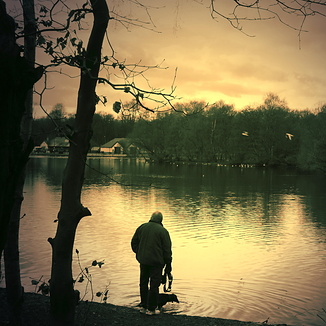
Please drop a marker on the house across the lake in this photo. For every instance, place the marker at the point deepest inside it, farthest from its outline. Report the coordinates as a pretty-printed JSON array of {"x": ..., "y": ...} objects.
[
  {"x": 43, "y": 148},
  {"x": 118, "y": 146},
  {"x": 58, "y": 145}
]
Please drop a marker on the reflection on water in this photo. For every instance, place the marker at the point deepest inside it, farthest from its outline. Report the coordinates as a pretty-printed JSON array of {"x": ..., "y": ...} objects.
[{"x": 248, "y": 244}]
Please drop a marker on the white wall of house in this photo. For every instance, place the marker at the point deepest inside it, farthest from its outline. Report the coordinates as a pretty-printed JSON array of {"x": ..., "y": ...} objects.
[{"x": 112, "y": 150}]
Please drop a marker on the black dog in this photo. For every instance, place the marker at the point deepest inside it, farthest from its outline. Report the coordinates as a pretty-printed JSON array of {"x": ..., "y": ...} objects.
[{"x": 164, "y": 298}]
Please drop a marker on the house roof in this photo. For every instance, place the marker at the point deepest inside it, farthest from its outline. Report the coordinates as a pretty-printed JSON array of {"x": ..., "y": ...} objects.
[
  {"x": 124, "y": 142},
  {"x": 59, "y": 141}
]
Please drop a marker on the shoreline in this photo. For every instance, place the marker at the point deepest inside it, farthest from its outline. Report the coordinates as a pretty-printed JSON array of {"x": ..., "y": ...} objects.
[{"x": 36, "y": 313}]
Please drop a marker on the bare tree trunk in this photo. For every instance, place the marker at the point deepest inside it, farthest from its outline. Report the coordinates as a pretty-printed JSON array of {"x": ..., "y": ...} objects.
[
  {"x": 62, "y": 295},
  {"x": 14, "y": 288},
  {"x": 16, "y": 79},
  {"x": 8, "y": 56}
]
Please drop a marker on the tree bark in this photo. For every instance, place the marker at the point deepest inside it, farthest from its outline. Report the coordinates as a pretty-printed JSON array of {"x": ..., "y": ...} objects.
[
  {"x": 16, "y": 79},
  {"x": 14, "y": 287},
  {"x": 62, "y": 295}
]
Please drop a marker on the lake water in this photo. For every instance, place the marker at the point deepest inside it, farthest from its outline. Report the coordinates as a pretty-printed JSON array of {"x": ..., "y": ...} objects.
[{"x": 248, "y": 243}]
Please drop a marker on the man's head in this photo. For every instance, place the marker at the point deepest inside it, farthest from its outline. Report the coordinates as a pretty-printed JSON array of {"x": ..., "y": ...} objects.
[{"x": 157, "y": 217}]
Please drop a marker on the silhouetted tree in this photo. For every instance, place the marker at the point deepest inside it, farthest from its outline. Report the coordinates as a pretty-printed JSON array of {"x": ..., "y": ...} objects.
[
  {"x": 62, "y": 294},
  {"x": 312, "y": 155},
  {"x": 17, "y": 78},
  {"x": 17, "y": 75},
  {"x": 220, "y": 116}
]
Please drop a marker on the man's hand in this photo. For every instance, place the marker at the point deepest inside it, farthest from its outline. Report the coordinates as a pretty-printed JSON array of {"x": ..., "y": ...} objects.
[{"x": 168, "y": 268}]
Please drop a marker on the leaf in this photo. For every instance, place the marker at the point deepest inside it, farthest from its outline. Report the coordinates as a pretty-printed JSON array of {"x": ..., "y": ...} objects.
[
  {"x": 73, "y": 41},
  {"x": 100, "y": 263},
  {"x": 43, "y": 9},
  {"x": 81, "y": 279},
  {"x": 80, "y": 47},
  {"x": 59, "y": 40},
  {"x": 41, "y": 40},
  {"x": 46, "y": 23},
  {"x": 98, "y": 294},
  {"x": 94, "y": 263},
  {"x": 34, "y": 282},
  {"x": 116, "y": 107},
  {"x": 49, "y": 44},
  {"x": 63, "y": 44},
  {"x": 77, "y": 251}
]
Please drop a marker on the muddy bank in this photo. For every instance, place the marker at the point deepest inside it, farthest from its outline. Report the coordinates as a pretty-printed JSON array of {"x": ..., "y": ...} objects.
[{"x": 36, "y": 313}]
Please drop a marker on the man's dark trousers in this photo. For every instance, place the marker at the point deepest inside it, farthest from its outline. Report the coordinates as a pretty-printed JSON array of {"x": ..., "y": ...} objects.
[{"x": 153, "y": 276}]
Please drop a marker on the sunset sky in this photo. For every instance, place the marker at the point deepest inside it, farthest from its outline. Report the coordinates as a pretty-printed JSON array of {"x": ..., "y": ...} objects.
[{"x": 214, "y": 61}]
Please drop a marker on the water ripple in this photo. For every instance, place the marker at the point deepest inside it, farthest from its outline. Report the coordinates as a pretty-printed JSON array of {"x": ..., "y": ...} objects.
[{"x": 247, "y": 245}]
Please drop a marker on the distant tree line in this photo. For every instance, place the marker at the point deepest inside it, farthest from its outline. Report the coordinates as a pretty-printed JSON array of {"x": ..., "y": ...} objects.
[
  {"x": 268, "y": 134},
  {"x": 59, "y": 124}
]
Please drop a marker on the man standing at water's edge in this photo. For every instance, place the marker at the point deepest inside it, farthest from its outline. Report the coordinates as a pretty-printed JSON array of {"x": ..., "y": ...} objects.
[{"x": 152, "y": 245}]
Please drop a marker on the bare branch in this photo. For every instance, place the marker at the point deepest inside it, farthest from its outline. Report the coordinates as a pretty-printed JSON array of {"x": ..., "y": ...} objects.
[
  {"x": 73, "y": 15},
  {"x": 284, "y": 11}
]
